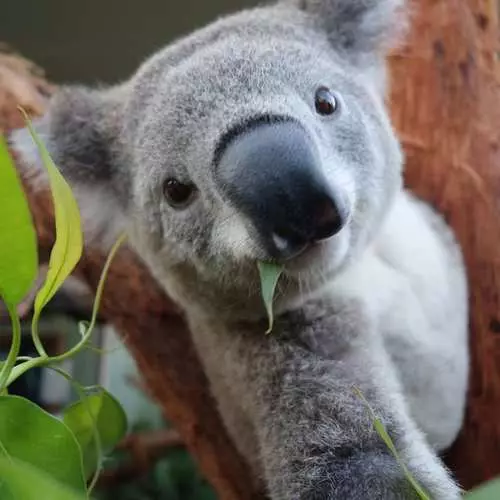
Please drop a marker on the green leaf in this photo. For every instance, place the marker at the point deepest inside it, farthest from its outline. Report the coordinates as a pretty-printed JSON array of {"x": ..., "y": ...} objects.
[
  {"x": 15, "y": 346},
  {"x": 20, "y": 480},
  {"x": 269, "y": 276},
  {"x": 18, "y": 246},
  {"x": 487, "y": 491},
  {"x": 30, "y": 434},
  {"x": 382, "y": 432},
  {"x": 67, "y": 249},
  {"x": 97, "y": 413}
]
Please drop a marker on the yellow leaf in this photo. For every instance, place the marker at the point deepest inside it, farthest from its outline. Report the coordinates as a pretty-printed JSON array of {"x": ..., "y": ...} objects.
[{"x": 67, "y": 250}]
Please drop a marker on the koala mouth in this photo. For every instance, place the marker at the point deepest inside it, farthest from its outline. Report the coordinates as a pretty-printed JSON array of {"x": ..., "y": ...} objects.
[
  {"x": 320, "y": 258},
  {"x": 311, "y": 257},
  {"x": 288, "y": 251}
]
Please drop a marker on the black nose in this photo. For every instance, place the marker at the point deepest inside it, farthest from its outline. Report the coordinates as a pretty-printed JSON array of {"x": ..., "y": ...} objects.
[{"x": 271, "y": 173}]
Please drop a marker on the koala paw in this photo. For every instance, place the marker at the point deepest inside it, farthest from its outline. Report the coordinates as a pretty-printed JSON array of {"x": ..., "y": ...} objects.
[
  {"x": 370, "y": 475},
  {"x": 377, "y": 475}
]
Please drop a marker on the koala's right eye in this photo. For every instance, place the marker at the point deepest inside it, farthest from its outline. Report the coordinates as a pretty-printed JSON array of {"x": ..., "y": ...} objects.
[
  {"x": 178, "y": 194},
  {"x": 325, "y": 101}
]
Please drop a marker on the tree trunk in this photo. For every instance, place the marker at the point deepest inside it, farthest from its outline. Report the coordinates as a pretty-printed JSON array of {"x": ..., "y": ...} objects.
[
  {"x": 446, "y": 106},
  {"x": 445, "y": 102}
]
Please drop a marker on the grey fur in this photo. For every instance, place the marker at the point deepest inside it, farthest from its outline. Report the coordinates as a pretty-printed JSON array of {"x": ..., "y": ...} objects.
[{"x": 381, "y": 306}]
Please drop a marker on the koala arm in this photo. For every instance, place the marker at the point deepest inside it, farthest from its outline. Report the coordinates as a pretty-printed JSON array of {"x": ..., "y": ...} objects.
[{"x": 315, "y": 435}]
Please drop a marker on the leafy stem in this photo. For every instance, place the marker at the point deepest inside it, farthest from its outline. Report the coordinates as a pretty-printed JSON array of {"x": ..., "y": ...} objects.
[
  {"x": 15, "y": 346},
  {"x": 35, "y": 335},
  {"x": 43, "y": 360}
]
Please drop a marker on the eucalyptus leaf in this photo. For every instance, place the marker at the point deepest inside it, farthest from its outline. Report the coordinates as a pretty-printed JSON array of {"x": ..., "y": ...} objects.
[
  {"x": 487, "y": 491},
  {"x": 68, "y": 246},
  {"x": 269, "y": 276},
  {"x": 30, "y": 434},
  {"x": 18, "y": 246},
  {"x": 22, "y": 481},
  {"x": 97, "y": 413},
  {"x": 382, "y": 432}
]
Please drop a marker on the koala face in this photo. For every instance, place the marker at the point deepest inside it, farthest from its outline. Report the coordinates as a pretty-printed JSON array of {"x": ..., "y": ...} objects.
[{"x": 261, "y": 137}]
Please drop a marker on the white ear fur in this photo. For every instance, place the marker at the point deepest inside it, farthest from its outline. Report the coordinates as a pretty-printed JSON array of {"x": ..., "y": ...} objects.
[
  {"x": 30, "y": 160},
  {"x": 102, "y": 220}
]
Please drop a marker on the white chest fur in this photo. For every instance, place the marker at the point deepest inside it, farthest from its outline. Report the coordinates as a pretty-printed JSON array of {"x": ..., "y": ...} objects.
[{"x": 413, "y": 284}]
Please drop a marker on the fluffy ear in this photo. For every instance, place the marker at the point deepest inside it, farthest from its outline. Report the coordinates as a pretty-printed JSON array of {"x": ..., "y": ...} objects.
[
  {"x": 359, "y": 27},
  {"x": 81, "y": 130}
]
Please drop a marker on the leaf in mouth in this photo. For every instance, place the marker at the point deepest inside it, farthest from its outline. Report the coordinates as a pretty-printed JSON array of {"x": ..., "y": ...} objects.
[{"x": 269, "y": 276}]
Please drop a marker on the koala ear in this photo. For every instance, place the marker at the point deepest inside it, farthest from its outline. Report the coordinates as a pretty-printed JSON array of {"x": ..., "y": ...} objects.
[
  {"x": 359, "y": 28},
  {"x": 82, "y": 131}
]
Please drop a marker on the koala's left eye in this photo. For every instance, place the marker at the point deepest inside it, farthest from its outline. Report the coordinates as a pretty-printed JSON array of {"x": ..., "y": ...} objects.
[
  {"x": 177, "y": 194},
  {"x": 326, "y": 103}
]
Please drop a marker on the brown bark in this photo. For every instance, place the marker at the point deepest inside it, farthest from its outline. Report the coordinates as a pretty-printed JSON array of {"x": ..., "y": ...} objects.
[{"x": 445, "y": 102}]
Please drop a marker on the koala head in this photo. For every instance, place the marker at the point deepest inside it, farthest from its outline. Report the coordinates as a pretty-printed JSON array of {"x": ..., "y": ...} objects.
[{"x": 263, "y": 136}]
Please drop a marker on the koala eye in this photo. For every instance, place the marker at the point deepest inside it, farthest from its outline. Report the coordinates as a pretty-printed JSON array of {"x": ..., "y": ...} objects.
[
  {"x": 177, "y": 194},
  {"x": 326, "y": 103}
]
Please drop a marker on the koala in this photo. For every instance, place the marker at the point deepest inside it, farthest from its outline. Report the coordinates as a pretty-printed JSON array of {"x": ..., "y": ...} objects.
[{"x": 265, "y": 137}]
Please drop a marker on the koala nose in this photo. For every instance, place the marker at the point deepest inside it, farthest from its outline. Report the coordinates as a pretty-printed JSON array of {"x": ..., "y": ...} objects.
[{"x": 271, "y": 173}]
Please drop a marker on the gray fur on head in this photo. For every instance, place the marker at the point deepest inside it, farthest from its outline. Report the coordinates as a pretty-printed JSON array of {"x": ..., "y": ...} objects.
[
  {"x": 265, "y": 136},
  {"x": 169, "y": 118}
]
